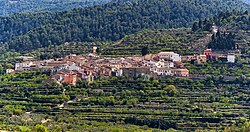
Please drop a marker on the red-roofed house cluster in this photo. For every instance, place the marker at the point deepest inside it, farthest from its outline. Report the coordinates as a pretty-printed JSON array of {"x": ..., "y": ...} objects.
[{"x": 87, "y": 67}]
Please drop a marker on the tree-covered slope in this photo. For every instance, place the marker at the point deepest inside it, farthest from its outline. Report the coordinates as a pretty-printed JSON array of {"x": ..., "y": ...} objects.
[
  {"x": 9, "y": 7},
  {"x": 233, "y": 31},
  {"x": 111, "y": 21}
]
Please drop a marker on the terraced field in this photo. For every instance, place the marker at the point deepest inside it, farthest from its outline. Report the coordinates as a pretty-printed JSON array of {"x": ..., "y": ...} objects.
[
  {"x": 182, "y": 41},
  {"x": 243, "y": 40},
  {"x": 130, "y": 104}
]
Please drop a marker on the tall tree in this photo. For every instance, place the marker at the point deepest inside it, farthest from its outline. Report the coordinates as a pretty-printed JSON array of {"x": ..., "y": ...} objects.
[
  {"x": 144, "y": 51},
  {"x": 195, "y": 27}
]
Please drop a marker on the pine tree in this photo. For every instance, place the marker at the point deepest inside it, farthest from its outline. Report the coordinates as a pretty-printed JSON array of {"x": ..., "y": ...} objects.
[
  {"x": 144, "y": 51},
  {"x": 195, "y": 27}
]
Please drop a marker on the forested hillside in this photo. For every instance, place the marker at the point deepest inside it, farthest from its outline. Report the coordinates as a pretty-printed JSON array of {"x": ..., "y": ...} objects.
[
  {"x": 9, "y": 7},
  {"x": 106, "y": 23},
  {"x": 233, "y": 30}
]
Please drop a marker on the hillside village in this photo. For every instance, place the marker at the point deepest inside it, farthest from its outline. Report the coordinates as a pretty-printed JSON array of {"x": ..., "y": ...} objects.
[
  {"x": 125, "y": 65},
  {"x": 88, "y": 67}
]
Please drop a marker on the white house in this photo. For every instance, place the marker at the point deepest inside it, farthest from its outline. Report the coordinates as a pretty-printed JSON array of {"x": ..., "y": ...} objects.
[
  {"x": 74, "y": 67},
  {"x": 231, "y": 58},
  {"x": 163, "y": 71},
  {"x": 23, "y": 66},
  {"x": 176, "y": 57},
  {"x": 169, "y": 56},
  {"x": 9, "y": 71},
  {"x": 117, "y": 72},
  {"x": 168, "y": 64},
  {"x": 25, "y": 58},
  {"x": 170, "y": 72}
]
